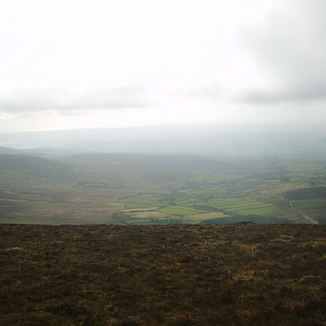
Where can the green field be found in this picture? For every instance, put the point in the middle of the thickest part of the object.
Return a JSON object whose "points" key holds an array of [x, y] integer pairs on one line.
{"points": [[243, 206], [180, 211], [145, 200], [180, 200], [306, 203]]}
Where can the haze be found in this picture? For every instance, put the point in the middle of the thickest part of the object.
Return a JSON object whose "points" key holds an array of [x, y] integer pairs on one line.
{"points": [[101, 64]]}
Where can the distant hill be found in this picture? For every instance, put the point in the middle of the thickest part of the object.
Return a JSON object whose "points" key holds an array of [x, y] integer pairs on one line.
{"points": [[8, 150], [208, 140], [18, 164]]}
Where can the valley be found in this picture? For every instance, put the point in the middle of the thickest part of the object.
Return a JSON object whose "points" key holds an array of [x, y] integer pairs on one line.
{"points": [[159, 189]]}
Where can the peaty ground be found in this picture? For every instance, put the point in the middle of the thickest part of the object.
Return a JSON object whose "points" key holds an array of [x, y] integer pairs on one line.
{"points": [[239, 274]]}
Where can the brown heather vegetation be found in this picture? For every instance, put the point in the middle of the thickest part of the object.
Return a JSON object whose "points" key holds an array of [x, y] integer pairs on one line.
{"points": [[240, 274]]}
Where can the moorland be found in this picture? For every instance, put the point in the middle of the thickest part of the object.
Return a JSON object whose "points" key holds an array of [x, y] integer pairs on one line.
{"points": [[235, 274]]}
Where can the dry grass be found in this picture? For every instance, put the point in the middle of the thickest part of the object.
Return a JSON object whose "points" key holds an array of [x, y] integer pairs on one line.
{"points": [[240, 274]]}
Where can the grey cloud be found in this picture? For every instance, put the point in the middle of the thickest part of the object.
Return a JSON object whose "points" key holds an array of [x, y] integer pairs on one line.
{"points": [[62, 102], [295, 95], [291, 50]]}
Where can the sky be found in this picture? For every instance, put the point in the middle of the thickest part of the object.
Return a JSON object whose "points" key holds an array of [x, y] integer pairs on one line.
{"points": [[69, 64]]}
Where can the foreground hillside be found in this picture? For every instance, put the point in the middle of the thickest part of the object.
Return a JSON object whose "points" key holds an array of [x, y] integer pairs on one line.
{"points": [[240, 274]]}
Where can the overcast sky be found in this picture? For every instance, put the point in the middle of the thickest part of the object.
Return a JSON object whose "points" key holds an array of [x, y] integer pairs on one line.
{"points": [[110, 63]]}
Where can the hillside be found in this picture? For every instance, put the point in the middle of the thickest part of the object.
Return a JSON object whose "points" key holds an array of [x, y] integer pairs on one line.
{"points": [[18, 165], [239, 274]]}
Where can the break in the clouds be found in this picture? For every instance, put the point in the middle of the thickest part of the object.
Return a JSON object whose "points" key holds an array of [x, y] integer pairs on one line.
{"points": [[290, 48], [64, 102]]}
